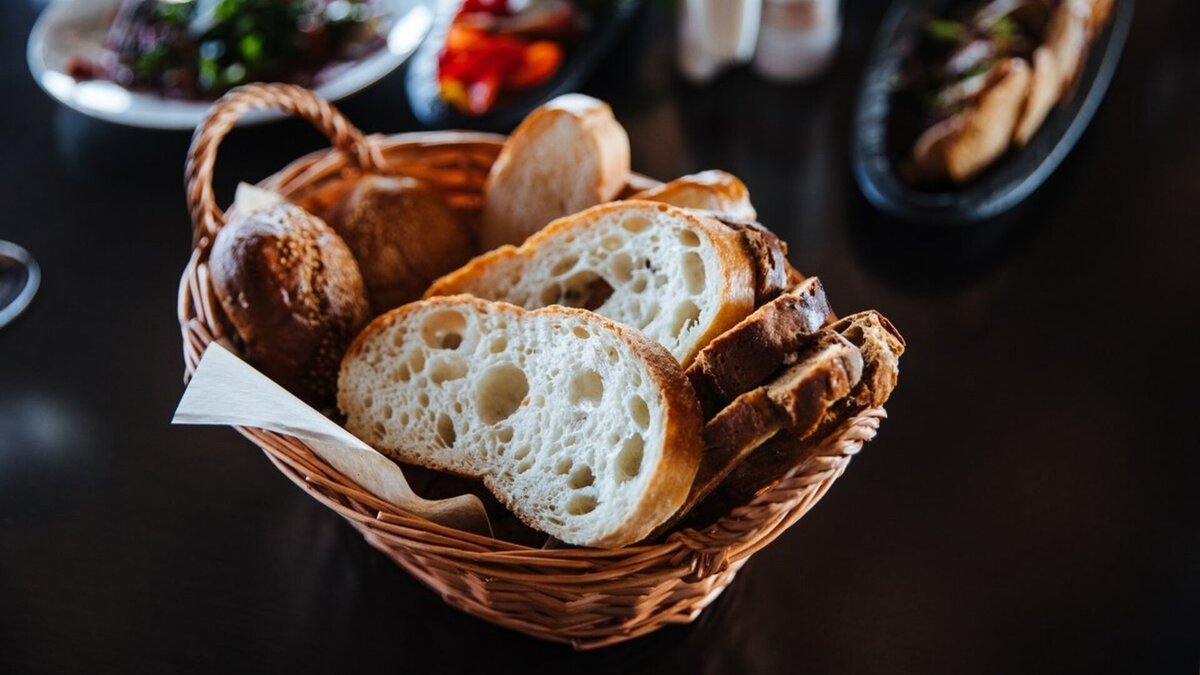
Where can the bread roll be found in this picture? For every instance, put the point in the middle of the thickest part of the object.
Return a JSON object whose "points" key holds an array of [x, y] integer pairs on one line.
{"points": [[403, 235], [293, 293]]}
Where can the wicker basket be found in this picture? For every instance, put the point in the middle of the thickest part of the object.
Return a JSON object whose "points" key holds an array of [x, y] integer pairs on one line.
{"points": [[586, 597]]}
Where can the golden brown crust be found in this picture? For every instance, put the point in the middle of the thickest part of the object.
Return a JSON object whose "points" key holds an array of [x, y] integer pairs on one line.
{"points": [[711, 190], [606, 140], [403, 235], [294, 294], [682, 420], [769, 253], [1044, 94], [738, 269], [987, 129]]}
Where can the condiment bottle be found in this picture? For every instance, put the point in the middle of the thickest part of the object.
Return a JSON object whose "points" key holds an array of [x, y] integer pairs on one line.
{"points": [[797, 39]]}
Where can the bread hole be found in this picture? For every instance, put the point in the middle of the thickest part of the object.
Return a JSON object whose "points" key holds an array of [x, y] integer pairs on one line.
{"points": [[458, 407], [445, 370], [504, 434], [563, 266], [398, 338], [580, 478], [581, 505], [639, 411], [521, 453], [378, 430], [445, 430], [687, 314], [612, 242], [613, 438], [368, 401], [525, 466], [611, 353], [401, 373], [423, 400], [444, 329], [569, 441], [550, 295], [638, 285], [500, 392], [586, 290], [660, 280], [403, 419], [635, 224], [416, 361], [387, 411], [649, 318], [689, 238], [563, 467], [587, 387], [622, 267], [498, 344], [581, 332], [629, 459], [693, 272]]}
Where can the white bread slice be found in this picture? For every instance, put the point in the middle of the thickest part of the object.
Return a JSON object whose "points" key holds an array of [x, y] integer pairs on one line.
{"points": [[585, 429], [680, 277], [711, 190], [567, 155]]}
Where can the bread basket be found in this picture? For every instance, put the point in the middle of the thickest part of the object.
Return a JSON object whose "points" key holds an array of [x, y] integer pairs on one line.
{"points": [[585, 597]]}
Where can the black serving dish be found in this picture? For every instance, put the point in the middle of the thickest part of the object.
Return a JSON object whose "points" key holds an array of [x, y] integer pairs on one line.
{"points": [[579, 60], [1014, 176]]}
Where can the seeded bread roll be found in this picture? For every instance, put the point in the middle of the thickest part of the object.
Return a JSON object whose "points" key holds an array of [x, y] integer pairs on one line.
{"points": [[293, 293], [585, 429], [403, 235]]}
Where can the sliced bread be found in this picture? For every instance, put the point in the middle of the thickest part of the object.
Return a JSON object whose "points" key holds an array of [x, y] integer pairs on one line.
{"points": [[680, 277], [583, 428], [746, 355], [712, 190], [797, 399], [565, 156]]}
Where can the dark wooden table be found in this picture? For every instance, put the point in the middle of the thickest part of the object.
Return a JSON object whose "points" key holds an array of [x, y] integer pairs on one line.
{"points": [[1031, 505]]}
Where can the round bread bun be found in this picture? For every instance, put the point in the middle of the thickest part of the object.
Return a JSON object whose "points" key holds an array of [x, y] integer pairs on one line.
{"points": [[294, 294], [403, 235]]}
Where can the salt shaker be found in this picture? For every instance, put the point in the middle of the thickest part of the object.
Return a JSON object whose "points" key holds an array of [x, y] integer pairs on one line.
{"points": [[797, 39]]}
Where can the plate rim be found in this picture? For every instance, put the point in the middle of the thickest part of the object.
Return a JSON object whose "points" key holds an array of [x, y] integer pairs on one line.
{"points": [[187, 115]]}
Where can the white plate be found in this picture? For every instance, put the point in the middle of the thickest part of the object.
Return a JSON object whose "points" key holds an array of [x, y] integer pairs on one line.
{"points": [[69, 28]]}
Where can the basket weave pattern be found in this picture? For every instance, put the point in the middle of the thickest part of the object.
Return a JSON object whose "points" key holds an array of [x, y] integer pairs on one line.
{"points": [[586, 597]]}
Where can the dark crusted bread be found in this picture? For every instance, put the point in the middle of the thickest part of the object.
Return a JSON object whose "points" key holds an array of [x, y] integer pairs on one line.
{"points": [[403, 235], [291, 289], [746, 355], [799, 398], [881, 346]]}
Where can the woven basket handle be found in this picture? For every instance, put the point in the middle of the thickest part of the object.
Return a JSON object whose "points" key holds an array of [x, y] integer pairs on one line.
{"points": [[207, 217]]}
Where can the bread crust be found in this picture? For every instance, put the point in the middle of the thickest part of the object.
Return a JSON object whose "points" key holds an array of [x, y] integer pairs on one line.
{"points": [[681, 415], [723, 190], [294, 294], [604, 138], [738, 269], [769, 253]]}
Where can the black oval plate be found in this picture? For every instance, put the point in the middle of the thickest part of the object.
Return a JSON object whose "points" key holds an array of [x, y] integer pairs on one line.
{"points": [[1014, 176], [578, 62]]}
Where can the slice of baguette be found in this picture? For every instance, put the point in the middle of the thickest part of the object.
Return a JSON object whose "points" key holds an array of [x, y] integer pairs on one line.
{"points": [[797, 399], [678, 276], [712, 190], [583, 428], [565, 156], [744, 356]]}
